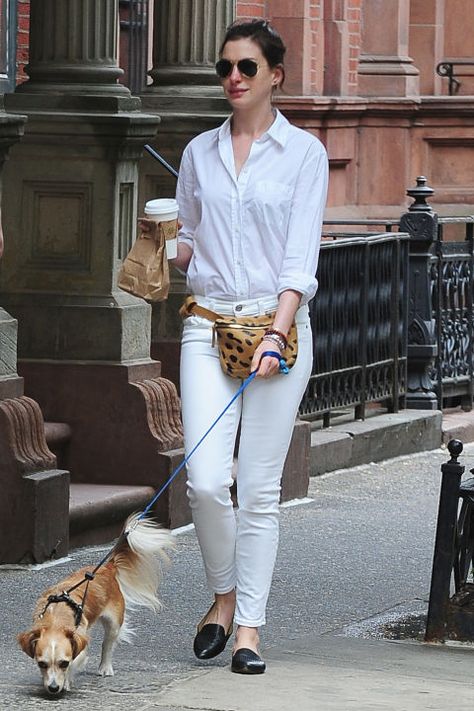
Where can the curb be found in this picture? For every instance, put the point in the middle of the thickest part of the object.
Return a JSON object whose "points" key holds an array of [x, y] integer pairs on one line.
{"points": [[380, 437]]}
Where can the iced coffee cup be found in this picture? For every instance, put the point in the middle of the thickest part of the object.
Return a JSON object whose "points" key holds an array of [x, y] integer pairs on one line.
{"points": [[165, 210]]}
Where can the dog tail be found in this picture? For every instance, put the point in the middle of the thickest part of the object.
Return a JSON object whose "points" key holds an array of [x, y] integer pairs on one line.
{"points": [[138, 558]]}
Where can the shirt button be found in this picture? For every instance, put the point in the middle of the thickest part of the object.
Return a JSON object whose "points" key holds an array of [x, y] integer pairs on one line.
{"points": [[238, 307]]}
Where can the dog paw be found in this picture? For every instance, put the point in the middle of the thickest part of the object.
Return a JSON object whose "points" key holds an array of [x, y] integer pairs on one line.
{"points": [[106, 670]]}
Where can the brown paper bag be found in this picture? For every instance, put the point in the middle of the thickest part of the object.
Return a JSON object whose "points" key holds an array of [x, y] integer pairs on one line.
{"points": [[145, 270]]}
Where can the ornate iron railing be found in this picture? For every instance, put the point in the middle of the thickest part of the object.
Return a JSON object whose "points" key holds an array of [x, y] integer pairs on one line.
{"points": [[359, 322], [452, 271], [450, 299]]}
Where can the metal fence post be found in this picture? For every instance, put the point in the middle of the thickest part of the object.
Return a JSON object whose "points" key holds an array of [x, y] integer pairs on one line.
{"points": [[422, 225], [443, 558]]}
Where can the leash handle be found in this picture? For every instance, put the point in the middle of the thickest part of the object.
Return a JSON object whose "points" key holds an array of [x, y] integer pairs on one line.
{"points": [[281, 361]]}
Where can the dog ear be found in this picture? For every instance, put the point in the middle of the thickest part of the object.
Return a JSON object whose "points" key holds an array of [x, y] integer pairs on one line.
{"points": [[27, 641], [78, 642]]}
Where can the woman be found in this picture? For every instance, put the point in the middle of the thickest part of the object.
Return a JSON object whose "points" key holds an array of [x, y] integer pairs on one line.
{"points": [[251, 196]]}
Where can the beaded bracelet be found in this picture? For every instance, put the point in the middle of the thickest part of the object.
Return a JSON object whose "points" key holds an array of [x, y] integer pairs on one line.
{"points": [[276, 339], [277, 332]]}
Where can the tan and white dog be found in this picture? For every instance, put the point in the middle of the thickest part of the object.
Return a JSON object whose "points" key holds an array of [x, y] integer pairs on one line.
{"points": [[129, 578]]}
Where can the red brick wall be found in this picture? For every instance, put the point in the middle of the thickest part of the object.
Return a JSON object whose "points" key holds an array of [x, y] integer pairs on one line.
{"points": [[22, 39], [248, 9], [354, 20], [317, 41]]}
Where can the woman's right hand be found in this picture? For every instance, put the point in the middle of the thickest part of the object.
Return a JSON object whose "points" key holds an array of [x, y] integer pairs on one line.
{"points": [[268, 366]]}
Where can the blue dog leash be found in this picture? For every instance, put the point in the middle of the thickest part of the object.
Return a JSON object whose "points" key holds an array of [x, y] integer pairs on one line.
{"points": [[283, 369], [89, 576], [183, 463]]}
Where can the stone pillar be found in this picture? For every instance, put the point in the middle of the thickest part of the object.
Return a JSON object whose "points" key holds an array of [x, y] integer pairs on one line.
{"points": [[427, 42], [70, 213], [187, 35], [11, 385], [301, 26], [32, 485], [422, 225], [385, 69], [73, 50], [337, 50], [71, 193]]}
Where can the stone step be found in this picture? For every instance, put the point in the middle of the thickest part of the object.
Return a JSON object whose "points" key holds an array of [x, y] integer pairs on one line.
{"points": [[351, 444], [97, 511]]}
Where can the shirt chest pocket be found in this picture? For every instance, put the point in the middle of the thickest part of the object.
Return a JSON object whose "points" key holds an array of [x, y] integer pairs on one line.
{"points": [[270, 201]]}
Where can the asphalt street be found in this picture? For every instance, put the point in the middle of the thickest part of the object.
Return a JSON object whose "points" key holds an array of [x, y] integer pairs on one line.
{"points": [[360, 548]]}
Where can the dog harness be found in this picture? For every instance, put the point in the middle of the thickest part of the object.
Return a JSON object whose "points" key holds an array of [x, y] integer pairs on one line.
{"points": [[77, 608]]}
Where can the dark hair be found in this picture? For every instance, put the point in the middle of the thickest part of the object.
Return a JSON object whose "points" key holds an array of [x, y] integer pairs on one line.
{"points": [[263, 34]]}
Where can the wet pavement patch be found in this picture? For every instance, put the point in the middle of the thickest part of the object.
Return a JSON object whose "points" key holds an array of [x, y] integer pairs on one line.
{"points": [[411, 627], [404, 622]]}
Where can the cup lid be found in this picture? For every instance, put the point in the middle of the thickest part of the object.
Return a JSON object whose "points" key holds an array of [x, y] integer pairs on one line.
{"points": [[161, 206]]}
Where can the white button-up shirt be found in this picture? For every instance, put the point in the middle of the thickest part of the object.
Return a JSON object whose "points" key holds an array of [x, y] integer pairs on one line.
{"points": [[257, 234]]}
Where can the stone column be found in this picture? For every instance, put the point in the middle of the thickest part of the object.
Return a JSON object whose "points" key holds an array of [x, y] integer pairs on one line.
{"points": [[385, 69], [11, 385], [73, 50], [30, 480], [72, 190], [187, 35]]}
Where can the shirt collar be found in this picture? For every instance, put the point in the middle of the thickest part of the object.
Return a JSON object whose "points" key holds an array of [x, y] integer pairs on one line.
{"points": [[278, 131]]}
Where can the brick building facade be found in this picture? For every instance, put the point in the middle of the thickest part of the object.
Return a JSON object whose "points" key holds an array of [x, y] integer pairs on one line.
{"points": [[373, 97]]}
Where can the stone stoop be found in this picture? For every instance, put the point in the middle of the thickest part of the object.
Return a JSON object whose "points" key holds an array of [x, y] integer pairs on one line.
{"points": [[380, 437], [97, 512]]}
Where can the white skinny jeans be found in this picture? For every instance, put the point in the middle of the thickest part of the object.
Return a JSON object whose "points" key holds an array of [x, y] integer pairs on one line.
{"points": [[238, 551]]}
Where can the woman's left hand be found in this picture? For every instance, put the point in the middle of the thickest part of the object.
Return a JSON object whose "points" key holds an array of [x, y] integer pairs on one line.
{"points": [[267, 366]]}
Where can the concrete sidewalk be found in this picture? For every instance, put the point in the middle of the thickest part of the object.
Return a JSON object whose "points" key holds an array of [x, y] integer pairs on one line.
{"points": [[359, 548], [334, 674]]}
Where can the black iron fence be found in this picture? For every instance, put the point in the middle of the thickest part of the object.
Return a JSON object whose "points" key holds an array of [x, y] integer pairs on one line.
{"points": [[451, 605], [440, 318], [359, 326], [452, 271]]}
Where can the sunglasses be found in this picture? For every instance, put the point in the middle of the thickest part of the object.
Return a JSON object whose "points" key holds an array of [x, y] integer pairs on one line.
{"points": [[247, 67]]}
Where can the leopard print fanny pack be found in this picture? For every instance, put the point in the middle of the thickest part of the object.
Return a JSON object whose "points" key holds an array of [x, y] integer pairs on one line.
{"points": [[238, 337]]}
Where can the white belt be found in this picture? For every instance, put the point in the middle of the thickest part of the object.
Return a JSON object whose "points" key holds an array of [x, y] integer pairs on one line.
{"points": [[243, 307]]}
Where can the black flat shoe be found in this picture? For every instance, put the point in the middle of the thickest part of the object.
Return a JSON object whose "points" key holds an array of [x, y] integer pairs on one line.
{"points": [[211, 638], [245, 661]]}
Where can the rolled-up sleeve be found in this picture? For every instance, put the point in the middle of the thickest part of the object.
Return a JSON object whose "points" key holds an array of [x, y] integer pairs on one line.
{"points": [[300, 260], [187, 203]]}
